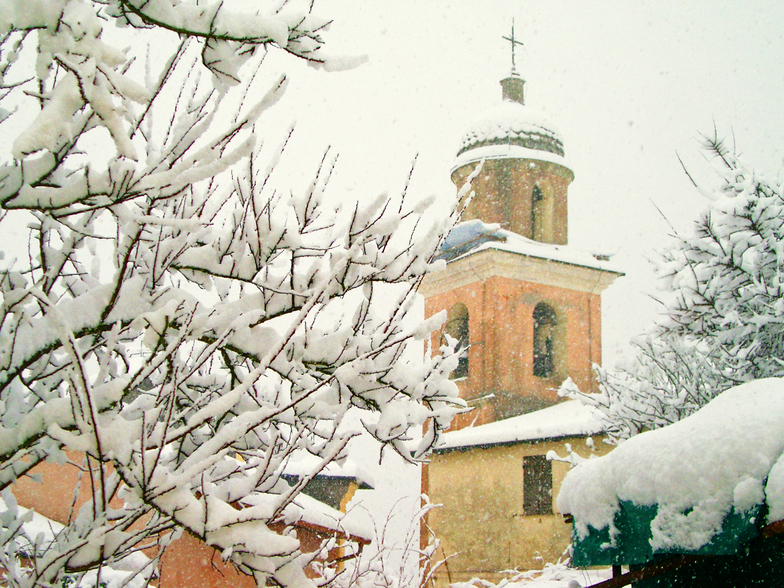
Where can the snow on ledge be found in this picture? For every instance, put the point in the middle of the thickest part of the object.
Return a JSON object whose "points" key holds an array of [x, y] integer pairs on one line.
{"points": [[515, 243], [727, 455], [508, 152], [566, 419], [467, 238]]}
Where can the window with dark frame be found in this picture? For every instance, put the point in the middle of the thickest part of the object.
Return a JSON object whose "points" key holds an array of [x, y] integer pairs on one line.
{"points": [[537, 485], [457, 327], [537, 211], [544, 333]]}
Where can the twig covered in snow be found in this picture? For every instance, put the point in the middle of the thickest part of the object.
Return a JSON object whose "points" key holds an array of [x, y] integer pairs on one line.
{"points": [[176, 320]]}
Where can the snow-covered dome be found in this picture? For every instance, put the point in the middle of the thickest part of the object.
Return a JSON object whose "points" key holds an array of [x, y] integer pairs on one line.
{"points": [[512, 123], [512, 130]]}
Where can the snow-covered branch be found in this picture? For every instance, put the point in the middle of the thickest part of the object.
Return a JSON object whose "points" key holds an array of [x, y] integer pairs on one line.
{"points": [[175, 328]]}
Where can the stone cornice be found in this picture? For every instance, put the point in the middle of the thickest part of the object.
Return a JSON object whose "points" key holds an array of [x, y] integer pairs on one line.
{"points": [[481, 265]]}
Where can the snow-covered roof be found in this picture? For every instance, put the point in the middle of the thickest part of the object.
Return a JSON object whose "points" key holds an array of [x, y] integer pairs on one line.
{"points": [[728, 457], [308, 510], [518, 130], [303, 464], [566, 419], [39, 532], [475, 235]]}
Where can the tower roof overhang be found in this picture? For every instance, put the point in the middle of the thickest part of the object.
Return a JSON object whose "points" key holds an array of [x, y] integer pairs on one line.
{"points": [[555, 266], [500, 151]]}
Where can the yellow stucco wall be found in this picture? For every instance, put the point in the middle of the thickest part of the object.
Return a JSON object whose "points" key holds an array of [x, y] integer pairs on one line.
{"points": [[482, 524]]}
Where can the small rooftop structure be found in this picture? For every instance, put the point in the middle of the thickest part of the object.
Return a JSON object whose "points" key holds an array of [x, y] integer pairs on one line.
{"points": [[310, 513], [334, 485]]}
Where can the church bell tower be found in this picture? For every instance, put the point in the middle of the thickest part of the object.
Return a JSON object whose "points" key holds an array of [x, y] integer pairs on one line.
{"points": [[524, 306]]}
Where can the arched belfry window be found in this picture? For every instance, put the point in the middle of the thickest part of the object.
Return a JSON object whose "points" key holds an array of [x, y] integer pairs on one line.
{"points": [[537, 196], [544, 339], [457, 327], [541, 214]]}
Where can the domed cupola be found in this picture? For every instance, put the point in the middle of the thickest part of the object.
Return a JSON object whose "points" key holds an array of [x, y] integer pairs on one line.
{"points": [[525, 176], [512, 123]]}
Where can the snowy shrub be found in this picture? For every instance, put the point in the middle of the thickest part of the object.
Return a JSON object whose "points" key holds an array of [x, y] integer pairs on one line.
{"points": [[172, 322], [723, 317]]}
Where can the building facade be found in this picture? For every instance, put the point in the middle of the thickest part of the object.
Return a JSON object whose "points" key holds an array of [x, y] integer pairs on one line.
{"points": [[188, 562]]}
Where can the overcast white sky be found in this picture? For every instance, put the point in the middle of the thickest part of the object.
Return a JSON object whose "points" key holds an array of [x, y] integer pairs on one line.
{"points": [[628, 84]]}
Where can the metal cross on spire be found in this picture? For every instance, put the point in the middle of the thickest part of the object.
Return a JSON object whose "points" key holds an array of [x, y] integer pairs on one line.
{"points": [[513, 42]]}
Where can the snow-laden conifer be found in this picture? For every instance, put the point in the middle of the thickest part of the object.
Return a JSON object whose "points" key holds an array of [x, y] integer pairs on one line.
{"points": [[723, 311]]}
